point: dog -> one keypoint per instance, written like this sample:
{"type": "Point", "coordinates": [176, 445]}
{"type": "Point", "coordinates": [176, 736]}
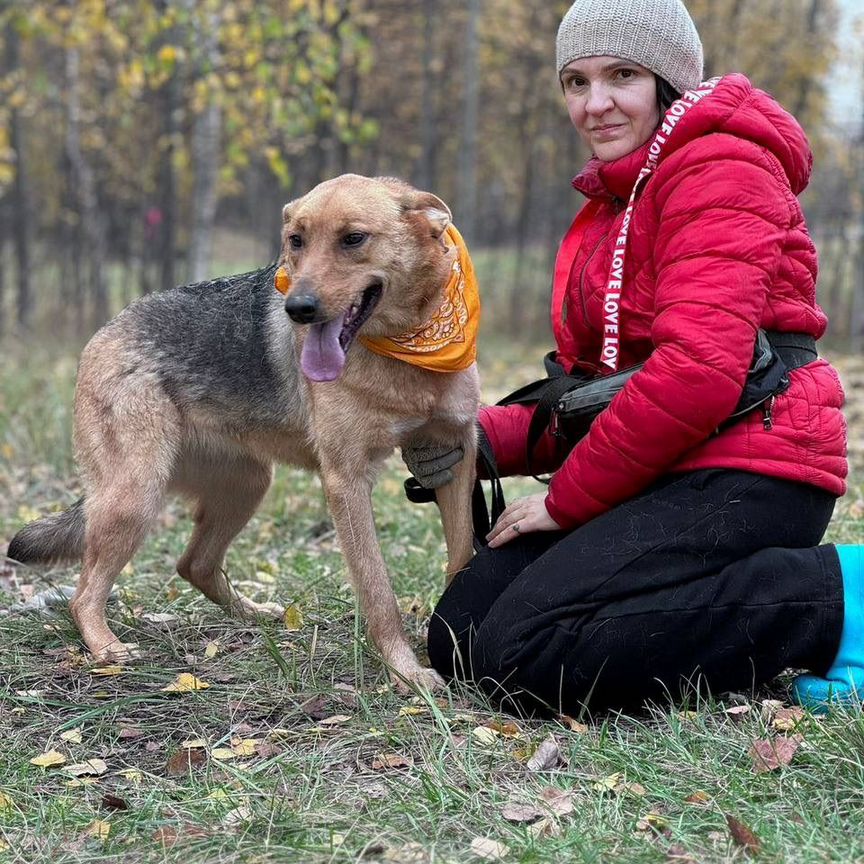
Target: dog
{"type": "Point", "coordinates": [199, 390]}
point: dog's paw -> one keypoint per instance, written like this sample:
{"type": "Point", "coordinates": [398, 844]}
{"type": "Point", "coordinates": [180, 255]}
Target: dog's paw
{"type": "Point", "coordinates": [418, 678]}
{"type": "Point", "coordinates": [117, 652]}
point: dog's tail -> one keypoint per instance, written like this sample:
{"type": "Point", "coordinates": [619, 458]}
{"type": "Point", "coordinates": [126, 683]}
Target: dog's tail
{"type": "Point", "coordinates": [54, 539]}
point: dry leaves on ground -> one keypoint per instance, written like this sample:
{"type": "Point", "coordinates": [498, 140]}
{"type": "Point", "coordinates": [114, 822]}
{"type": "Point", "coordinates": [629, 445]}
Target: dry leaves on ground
{"type": "Point", "coordinates": [546, 756]}
{"type": "Point", "coordinates": [771, 754]}
{"type": "Point", "coordinates": [185, 682]}
{"type": "Point", "coordinates": [488, 849]}
{"type": "Point", "coordinates": [742, 835]}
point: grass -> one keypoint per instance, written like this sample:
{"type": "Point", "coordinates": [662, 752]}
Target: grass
{"type": "Point", "coordinates": [342, 769]}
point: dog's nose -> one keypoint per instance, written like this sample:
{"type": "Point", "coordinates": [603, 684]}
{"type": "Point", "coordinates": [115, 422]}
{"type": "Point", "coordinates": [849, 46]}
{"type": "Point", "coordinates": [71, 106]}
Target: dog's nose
{"type": "Point", "coordinates": [302, 308]}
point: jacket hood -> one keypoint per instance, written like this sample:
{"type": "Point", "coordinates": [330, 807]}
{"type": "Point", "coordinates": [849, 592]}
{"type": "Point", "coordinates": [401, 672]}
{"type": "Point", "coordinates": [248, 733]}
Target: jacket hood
{"type": "Point", "coordinates": [736, 108]}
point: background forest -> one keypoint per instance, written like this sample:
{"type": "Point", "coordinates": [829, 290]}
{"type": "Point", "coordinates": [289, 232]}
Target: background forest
{"type": "Point", "coordinates": [144, 144]}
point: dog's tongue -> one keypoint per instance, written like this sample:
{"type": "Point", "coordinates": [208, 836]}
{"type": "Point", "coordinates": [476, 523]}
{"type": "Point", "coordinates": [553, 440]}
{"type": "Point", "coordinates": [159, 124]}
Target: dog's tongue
{"type": "Point", "coordinates": [322, 357]}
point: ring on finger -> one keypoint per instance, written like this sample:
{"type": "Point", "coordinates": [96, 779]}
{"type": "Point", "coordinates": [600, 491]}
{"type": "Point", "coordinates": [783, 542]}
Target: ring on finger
{"type": "Point", "coordinates": [515, 527]}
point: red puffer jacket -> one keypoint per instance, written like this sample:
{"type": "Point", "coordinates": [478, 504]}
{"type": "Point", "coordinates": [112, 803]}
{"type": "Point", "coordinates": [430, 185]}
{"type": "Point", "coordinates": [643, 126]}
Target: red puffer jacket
{"type": "Point", "coordinates": [717, 248]}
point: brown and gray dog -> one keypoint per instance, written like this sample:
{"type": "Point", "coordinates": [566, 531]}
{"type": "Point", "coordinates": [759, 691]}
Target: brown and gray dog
{"type": "Point", "coordinates": [199, 390]}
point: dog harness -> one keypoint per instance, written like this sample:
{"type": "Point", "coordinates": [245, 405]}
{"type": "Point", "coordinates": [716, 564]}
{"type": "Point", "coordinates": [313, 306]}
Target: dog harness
{"type": "Point", "coordinates": [448, 341]}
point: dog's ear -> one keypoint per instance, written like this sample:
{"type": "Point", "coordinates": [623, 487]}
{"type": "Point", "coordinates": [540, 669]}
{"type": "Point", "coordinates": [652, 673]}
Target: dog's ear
{"type": "Point", "coordinates": [431, 206]}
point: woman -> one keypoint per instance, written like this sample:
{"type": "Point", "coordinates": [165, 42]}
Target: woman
{"type": "Point", "coordinates": [672, 549]}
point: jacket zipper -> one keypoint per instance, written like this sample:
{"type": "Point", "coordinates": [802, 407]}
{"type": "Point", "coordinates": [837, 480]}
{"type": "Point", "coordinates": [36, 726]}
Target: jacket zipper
{"type": "Point", "coordinates": [582, 299]}
{"type": "Point", "coordinates": [616, 206]}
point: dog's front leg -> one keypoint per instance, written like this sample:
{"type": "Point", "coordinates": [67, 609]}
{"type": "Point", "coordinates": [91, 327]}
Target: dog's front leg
{"type": "Point", "coordinates": [349, 498]}
{"type": "Point", "coordinates": [454, 502]}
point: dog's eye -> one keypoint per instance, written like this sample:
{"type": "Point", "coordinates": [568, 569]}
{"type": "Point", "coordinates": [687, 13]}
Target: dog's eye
{"type": "Point", "coordinates": [295, 241]}
{"type": "Point", "coordinates": [355, 238]}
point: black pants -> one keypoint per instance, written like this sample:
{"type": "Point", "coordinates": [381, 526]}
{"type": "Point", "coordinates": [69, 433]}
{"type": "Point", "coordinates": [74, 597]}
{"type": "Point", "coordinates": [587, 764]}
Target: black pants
{"type": "Point", "coordinates": [708, 579]}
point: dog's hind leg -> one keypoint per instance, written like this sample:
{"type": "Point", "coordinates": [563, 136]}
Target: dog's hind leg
{"type": "Point", "coordinates": [227, 495]}
{"type": "Point", "coordinates": [117, 520]}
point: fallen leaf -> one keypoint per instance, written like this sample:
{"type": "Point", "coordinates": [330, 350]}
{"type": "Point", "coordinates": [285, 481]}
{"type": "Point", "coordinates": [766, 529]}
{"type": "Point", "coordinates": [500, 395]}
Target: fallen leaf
{"type": "Point", "coordinates": [625, 788]}
{"type": "Point", "coordinates": [194, 743]}
{"type": "Point", "coordinates": [221, 754]}
{"type": "Point", "coordinates": [185, 682]}
{"type": "Point", "coordinates": [78, 782]}
{"type": "Point", "coordinates": [73, 736]}
{"type": "Point", "coordinates": [769, 708]}
{"type": "Point", "coordinates": [485, 735]}
{"type": "Point", "coordinates": [737, 712]}
{"type": "Point", "coordinates": [771, 754]}
{"type": "Point", "coordinates": [237, 815]}
{"type": "Point", "coordinates": [412, 710]}
{"type": "Point", "coordinates": [92, 767]}
{"type": "Point", "coordinates": [386, 761]}
{"type": "Point", "coordinates": [133, 775]}
{"type": "Point", "coordinates": [98, 828]}
{"type": "Point", "coordinates": [545, 757]}
{"type": "Point", "coordinates": [317, 707]}
{"type": "Point", "coordinates": [105, 671]}
{"type": "Point", "coordinates": [788, 719]}
{"type": "Point", "coordinates": [544, 827]}
{"type": "Point", "coordinates": [652, 821]}
{"type": "Point", "coordinates": [48, 759]}
{"type": "Point", "coordinates": [607, 784]}
{"type": "Point", "coordinates": [688, 716]}
{"type": "Point", "coordinates": [266, 749]}
{"type": "Point", "coordinates": [506, 730]}
{"type": "Point", "coordinates": [130, 733]}
{"type": "Point", "coordinates": [170, 835]}
{"type": "Point", "coordinates": [293, 618]}
{"type": "Point", "coordinates": [113, 802]}
{"type": "Point", "coordinates": [245, 746]}
{"type": "Point", "coordinates": [519, 813]}
{"type": "Point", "coordinates": [557, 800]}
{"type": "Point", "coordinates": [181, 762]}
{"type": "Point", "coordinates": [335, 720]}
{"type": "Point", "coordinates": [571, 724]}
{"type": "Point", "coordinates": [742, 835]}
{"type": "Point", "coordinates": [488, 849]}
{"type": "Point", "coordinates": [212, 649]}
{"type": "Point", "coordinates": [5, 802]}
{"type": "Point", "coordinates": [698, 798]}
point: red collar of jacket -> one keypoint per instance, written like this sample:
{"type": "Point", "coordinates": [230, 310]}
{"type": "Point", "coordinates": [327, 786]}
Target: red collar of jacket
{"type": "Point", "coordinates": [611, 179]}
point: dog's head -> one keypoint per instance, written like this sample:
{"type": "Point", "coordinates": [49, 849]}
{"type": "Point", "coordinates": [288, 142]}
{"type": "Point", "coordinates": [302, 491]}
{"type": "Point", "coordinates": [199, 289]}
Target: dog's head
{"type": "Point", "coordinates": [360, 252]}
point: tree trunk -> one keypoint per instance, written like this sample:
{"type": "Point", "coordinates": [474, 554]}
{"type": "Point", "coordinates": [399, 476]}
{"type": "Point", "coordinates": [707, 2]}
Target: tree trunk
{"type": "Point", "coordinates": [427, 170]}
{"type": "Point", "coordinates": [168, 186]}
{"type": "Point", "coordinates": [470, 121]}
{"type": "Point", "coordinates": [206, 137]}
{"type": "Point", "coordinates": [806, 87]}
{"type": "Point", "coordinates": [4, 227]}
{"type": "Point", "coordinates": [21, 197]}
{"type": "Point", "coordinates": [90, 239]}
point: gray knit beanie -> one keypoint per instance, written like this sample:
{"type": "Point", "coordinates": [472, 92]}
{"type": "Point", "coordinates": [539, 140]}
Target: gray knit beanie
{"type": "Point", "coordinates": [657, 34]}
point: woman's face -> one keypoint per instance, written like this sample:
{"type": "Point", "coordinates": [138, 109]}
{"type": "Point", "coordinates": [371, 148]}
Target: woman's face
{"type": "Point", "coordinates": [612, 103]}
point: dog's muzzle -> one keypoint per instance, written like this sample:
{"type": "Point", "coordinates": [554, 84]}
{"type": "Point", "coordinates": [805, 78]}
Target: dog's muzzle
{"type": "Point", "coordinates": [303, 308]}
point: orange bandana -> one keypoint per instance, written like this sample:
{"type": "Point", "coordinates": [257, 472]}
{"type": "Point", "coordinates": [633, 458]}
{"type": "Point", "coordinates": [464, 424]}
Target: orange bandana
{"type": "Point", "coordinates": [448, 341]}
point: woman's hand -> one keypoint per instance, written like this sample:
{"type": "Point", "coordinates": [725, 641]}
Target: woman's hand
{"type": "Point", "coordinates": [521, 517]}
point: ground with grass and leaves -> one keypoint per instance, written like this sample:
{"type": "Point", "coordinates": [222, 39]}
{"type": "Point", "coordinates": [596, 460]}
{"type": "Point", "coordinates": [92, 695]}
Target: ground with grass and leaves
{"type": "Point", "coordinates": [285, 742]}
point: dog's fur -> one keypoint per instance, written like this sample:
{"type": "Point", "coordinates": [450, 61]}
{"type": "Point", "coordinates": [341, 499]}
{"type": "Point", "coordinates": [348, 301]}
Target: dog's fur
{"type": "Point", "coordinates": [197, 390]}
